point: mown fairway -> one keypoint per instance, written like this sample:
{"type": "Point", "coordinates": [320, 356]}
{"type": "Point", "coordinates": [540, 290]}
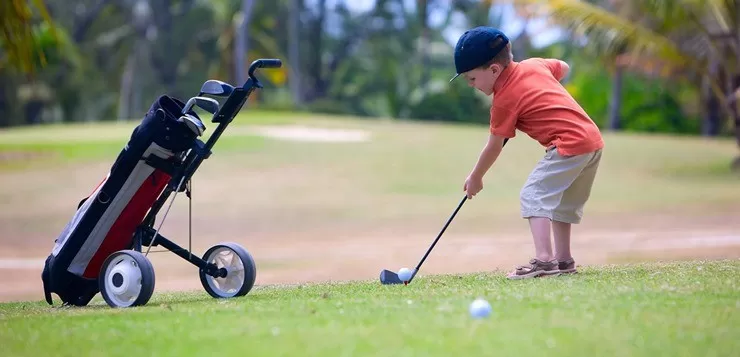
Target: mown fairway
{"type": "Point", "coordinates": [679, 309]}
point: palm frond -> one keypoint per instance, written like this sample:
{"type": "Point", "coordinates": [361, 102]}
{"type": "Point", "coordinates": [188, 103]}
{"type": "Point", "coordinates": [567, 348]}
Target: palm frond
{"type": "Point", "coordinates": [18, 34]}
{"type": "Point", "coordinates": [723, 12]}
{"type": "Point", "coordinates": [613, 34]}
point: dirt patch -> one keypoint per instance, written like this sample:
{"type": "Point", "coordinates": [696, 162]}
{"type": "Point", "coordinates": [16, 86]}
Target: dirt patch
{"type": "Point", "coordinates": [304, 133]}
{"type": "Point", "coordinates": [703, 252]}
{"type": "Point", "coordinates": [19, 156]}
{"type": "Point", "coordinates": [318, 256]}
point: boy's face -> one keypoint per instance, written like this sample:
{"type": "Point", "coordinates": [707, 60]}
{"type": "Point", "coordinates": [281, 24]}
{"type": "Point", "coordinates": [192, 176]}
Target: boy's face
{"type": "Point", "coordinates": [483, 79]}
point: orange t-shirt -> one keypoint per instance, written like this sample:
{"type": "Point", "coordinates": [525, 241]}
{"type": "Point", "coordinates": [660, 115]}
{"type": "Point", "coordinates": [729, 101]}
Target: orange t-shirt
{"type": "Point", "coordinates": [528, 96]}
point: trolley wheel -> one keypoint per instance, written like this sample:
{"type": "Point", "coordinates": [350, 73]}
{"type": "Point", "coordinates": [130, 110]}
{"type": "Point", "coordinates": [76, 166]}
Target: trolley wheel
{"type": "Point", "coordinates": [241, 271]}
{"type": "Point", "coordinates": [126, 279]}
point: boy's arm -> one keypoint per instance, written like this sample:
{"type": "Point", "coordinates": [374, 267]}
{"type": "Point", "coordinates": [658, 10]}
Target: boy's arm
{"type": "Point", "coordinates": [488, 155]}
{"type": "Point", "coordinates": [503, 126]}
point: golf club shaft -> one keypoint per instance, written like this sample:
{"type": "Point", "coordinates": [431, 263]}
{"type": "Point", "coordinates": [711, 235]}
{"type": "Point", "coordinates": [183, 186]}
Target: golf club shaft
{"type": "Point", "coordinates": [418, 266]}
{"type": "Point", "coordinates": [188, 106]}
{"type": "Point", "coordinates": [439, 236]}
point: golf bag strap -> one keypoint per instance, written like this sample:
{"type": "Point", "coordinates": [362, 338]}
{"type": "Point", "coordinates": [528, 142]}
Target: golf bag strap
{"type": "Point", "coordinates": [47, 295]}
{"type": "Point", "coordinates": [45, 281]}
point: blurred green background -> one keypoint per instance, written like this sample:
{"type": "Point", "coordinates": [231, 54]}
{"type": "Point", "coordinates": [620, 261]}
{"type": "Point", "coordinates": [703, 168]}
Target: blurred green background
{"type": "Point", "coordinates": [637, 66]}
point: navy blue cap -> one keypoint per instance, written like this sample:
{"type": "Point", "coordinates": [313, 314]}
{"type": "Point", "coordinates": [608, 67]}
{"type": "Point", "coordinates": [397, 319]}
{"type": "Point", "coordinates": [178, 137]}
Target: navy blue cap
{"type": "Point", "coordinates": [476, 47]}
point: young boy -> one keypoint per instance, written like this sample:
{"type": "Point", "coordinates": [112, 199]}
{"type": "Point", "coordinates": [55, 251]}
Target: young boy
{"type": "Point", "coordinates": [528, 96]}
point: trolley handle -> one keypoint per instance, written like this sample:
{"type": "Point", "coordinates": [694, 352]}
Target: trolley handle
{"type": "Point", "coordinates": [264, 63]}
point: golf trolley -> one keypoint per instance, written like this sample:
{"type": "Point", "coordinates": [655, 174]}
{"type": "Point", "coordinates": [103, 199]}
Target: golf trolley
{"type": "Point", "coordinates": [101, 249]}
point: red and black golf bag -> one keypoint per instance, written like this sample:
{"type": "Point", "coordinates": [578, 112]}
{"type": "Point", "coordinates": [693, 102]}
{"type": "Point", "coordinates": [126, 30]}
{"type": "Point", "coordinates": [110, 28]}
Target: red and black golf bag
{"type": "Point", "coordinates": [106, 220]}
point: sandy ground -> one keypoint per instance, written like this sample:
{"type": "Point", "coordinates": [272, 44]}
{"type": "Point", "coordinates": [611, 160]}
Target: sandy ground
{"type": "Point", "coordinates": [310, 256]}
{"type": "Point", "coordinates": [31, 220]}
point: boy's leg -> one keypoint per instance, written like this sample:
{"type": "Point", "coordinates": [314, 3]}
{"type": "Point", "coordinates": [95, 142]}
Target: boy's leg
{"type": "Point", "coordinates": [532, 202]}
{"type": "Point", "coordinates": [561, 233]}
{"type": "Point", "coordinates": [570, 211]}
{"type": "Point", "coordinates": [543, 264]}
{"type": "Point", "coordinates": [540, 227]}
{"type": "Point", "coordinates": [540, 196]}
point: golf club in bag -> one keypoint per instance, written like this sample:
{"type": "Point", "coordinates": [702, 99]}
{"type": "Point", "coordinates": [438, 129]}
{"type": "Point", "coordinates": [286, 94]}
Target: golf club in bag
{"type": "Point", "coordinates": [388, 277]}
{"type": "Point", "coordinates": [100, 248]}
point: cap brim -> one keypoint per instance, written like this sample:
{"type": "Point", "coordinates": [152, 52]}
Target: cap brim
{"type": "Point", "coordinates": [453, 78]}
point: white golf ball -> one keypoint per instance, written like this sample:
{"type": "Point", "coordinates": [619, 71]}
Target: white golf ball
{"type": "Point", "coordinates": [480, 308]}
{"type": "Point", "coordinates": [404, 274]}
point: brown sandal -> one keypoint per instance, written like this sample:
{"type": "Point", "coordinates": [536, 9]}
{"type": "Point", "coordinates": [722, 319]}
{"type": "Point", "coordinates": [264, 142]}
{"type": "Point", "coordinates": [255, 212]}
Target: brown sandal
{"type": "Point", "coordinates": [535, 269]}
{"type": "Point", "coordinates": [567, 266]}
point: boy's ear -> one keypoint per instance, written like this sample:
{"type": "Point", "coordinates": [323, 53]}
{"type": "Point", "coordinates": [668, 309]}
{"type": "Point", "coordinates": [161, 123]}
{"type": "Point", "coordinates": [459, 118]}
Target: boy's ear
{"type": "Point", "coordinates": [495, 68]}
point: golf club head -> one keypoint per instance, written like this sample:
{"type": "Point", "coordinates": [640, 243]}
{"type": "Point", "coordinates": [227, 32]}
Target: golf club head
{"type": "Point", "coordinates": [216, 88]}
{"type": "Point", "coordinates": [195, 124]}
{"type": "Point", "coordinates": [388, 277]}
{"type": "Point", "coordinates": [208, 104]}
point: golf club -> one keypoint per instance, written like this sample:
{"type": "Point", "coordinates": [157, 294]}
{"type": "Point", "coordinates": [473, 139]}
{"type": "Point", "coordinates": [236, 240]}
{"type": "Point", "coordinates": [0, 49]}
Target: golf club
{"type": "Point", "coordinates": [388, 277]}
{"type": "Point", "coordinates": [195, 124]}
{"type": "Point", "coordinates": [216, 88]}
{"type": "Point", "coordinates": [208, 104]}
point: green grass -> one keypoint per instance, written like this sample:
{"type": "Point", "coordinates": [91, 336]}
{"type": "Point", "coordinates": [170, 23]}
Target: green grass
{"type": "Point", "coordinates": [407, 171]}
{"type": "Point", "coordinates": [71, 143]}
{"type": "Point", "coordinates": [659, 309]}
{"type": "Point", "coordinates": [407, 179]}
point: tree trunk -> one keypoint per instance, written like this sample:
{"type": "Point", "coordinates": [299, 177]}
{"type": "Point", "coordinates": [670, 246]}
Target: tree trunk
{"type": "Point", "coordinates": [736, 116]}
{"type": "Point", "coordinates": [712, 115]}
{"type": "Point", "coordinates": [315, 69]}
{"type": "Point", "coordinates": [294, 50]}
{"type": "Point", "coordinates": [33, 109]}
{"type": "Point", "coordinates": [164, 56]}
{"type": "Point", "coordinates": [240, 43]}
{"type": "Point", "coordinates": [4, 105]}
{"type": "Point", "coordinates": [10, 108]}
{"type": "Point", "coordinates": [126, 89]}
{"type": "Point", "coordinates": [423, 9]}
{"type": "Point", "coordinates": [734, 101]}
{"type": "Point", "coordinates": [736, 89]}
{"type": "Point", "coordinates": [712, 112]}
{"type": "Point", "coordinates": [615, 101]}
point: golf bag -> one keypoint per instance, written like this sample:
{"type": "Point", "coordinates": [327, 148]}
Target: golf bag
{"type": "Point", "coordinates": [106, 220]}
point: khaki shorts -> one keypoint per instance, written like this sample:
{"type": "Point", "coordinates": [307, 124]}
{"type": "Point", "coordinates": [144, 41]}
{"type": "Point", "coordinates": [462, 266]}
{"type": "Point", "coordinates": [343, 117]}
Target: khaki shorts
{"type": "Point", "coordinates": [559, 186]}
